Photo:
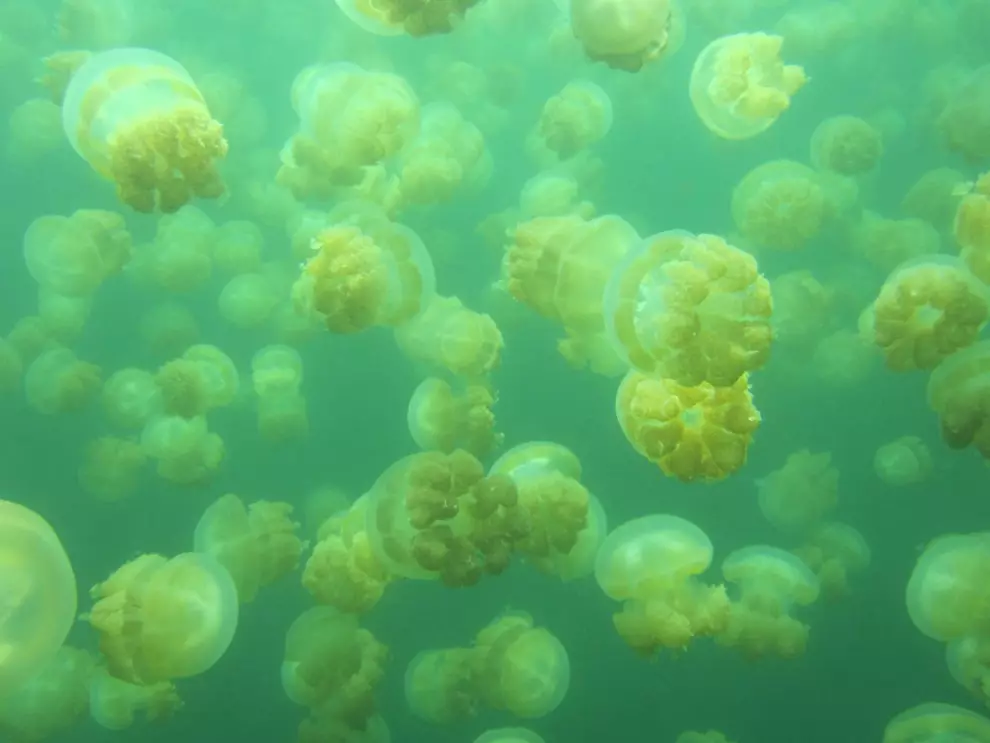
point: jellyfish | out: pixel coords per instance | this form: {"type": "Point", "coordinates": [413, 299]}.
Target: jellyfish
{"type": "Point", "coordinates": [889, 243]}
{"type": "Point", "coordinates": [947, 594]}
{"type": "Point", "coordinates": [690, 309]}
{"type": "Point", "coordinates": [131, 398]}
{"type": "Point", "coordinates": [740, 86]}
{"type": "Point", "coordinates": [111, 468]}
{"type": "Point", "coordinates": [441, 686]}
{"type": "Point", "coordinates": [161, 619]}
{"type": "Point", "coordinates": [652, 565]}
{"type": "Point", "coordinates": [509, 735]}
{"type": "Point", "coordinates": [691, 433]}
{"type": "Point", "coordinates": [934, 722]}
{"type": "Point", "coordinates": [799, 495]}
{"type": "Point", "coordinates": [161, 148]}
{"type": "Point", "coordinates": [625, 34]}
{"type": "Point", "coordinates": [972, 227]}
{"type": "Point", "coordinates": [524, 669]}
{"type": "Point", "coordinates": [846, 145]}
{"type": "Point", "coordinates": [256, 544]}
{"type": "Point", "coordinates": [965, 121]}
{"type": "Point", "coordinates": [51, 700]}
{"type": "Point", "coordinates": [443, 420]}
{"type": "Point", "coordinates": [58, 382]}
{"type": "Point", "coordinates": [935, 197]}
{"type": "Point", "coordinates": [771, 583]}
{"type": "Point", "coordinates": [928, 309]}
{"type": "Point", "coordinates": [780, 204]}
{"type": "Point", "coordinates": [902, 462]}
{"type": "Point", "coordinates": [413, 17]}
{"type": "Point", "coordinates": [575, 118]}
{"type": "Point", "coordinates": [34, 130]}
{"type": "Point", "coordinates": [238, 246]}
{"type": "Point", "coordinates": [248, 300]}
{"type": "Point", "coordinates": [39, 594]}
{"type": "Point", "coordinates": [834, 551]}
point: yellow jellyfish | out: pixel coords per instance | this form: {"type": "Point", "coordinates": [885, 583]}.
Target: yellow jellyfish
{"type": "Point", "coordinates": [256, 544]}
{"type": "Point", "coordinates": [771, 582]}
{"type": "Point", "coordinates": [888, 243]}
{"type": "Point", "coordinates": [935, 197]}
{"type": "Point", "coordinates": [441, 686]}
{"type": "Point", "coordinates": [443, 420]}
{"type": "Point", "coordinates": [523, 669]}
{"type": "Point", "coordinates": [780, 204]}
{"type": "Point", "coordinates": [509, 735]}
{"type": "Point", "coordinates": [39, 595]}
{"type": "Point", "coordinates": [652, 565]}
{"type": "Point", "coordinates": [625, 34]}
{"type": "Point", "coordinates": [934, 722]}
{"type": "Point", "coordinates": [834, 551]}
{"type": "Point", "coordinates": [58, 382]}
{"type": "Point", "coordinates": [948, 596]}
{"type": "Point", "coordinates": [361, 276]}
{"type": "Point", "coordinates": [413, 17]}
{"type": "Point", "coordinates": [740, 86]}
{"type": "Point", "coordinates": [51, 700]}
{"type": "Point", "coordinates": [972, 227]}
{"type": "Point", "coordinates": [575, 118]}
{"type": "Point", "coordinates": [691, 309]}
{"type": "Point", "coordinates": [965, 121]}
{"type": "Point", "coordinates": [161, 619]}
{"type": "Point", "coordinates": [846, 145]}
{"type": "Point", "coordinates": [691, 433]}
{"type": "Point", "coordinates": [799, 495]}
{"type": "Point", "coordinates": [115, 704]}
{"type": "Point", "coordinates": [137, 117]}
{"type": "Point", "coordinates": [928, 309]}
{"type": "Point", "coordinates": [902, 462]}
{"type": "Point", "coordinates": [111, 468]}
{"type": "Point", "coordinates": [968, 659]}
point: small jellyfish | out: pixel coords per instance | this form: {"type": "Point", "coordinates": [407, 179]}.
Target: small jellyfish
{"type": "Point", "coordinates": [780, 204]}
{"type": "Point", "coordinates": [902, 462]}
{"type": "Point", "coordinates": [846, 145]}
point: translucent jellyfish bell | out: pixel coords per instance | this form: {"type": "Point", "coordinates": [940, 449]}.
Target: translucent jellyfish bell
{"type": "Point", "coordinates": [37, 593]}
{"type": "Point", "coordinates": [366, 16]}
{"type": "Point", "coordinates": [535, 459]}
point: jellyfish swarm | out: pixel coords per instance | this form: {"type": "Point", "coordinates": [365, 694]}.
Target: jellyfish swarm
{"type": "Point", "coordinates": [928, 309]}
{"type": "Point", "coordinates": [38, 594]}
{"type": "Point", "coordinates": [137, 117]}
{"type": "Point", "coordinates": [691, 433]}
{"type": "Point", "coordinates": [739, 85]}
{"type": "Point", "coordinates": [651, 564]}
{"type": "Point", "coordinates": [691, 309]}
{"type": "Point", "coordinates": [161, 619]}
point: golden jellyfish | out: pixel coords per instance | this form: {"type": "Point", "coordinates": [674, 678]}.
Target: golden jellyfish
{"type": "Point", "coordinates": [413, 17]}
{"type": "Point", "coordinates": [248, 300]}
{"type": "Point", "coordinates": [276, 369]}
{"type": "Point", "coordinates": [524, 669]}
{"type": "Point", "coordinates": [74, 255]}
{"type": "Point", "coordinates": [53, 699]}
{"type": "Point", "coordinates": [451, 337]}
{"type": "Point", "coordinates": [364, 275]}
{"type": "Point", "coordinates": [168, 329]}
{"type": "Point", "coordinates": [948, 596]}
{"type": "Point", "coordinates": [972, 227]}
{"type": "Point", "coordinates": [131, 397]}
{"type": "Point", "coordinates": [575, 118]}
{"type": "Point", "coordinates": [692, 433]}
{"type": "Point", "coordinates": [343, 571]}
{"type": "Point", "coordinates": [566, 523]}
{"type": "Point", "coordinates": [186, 452]}
{"type": "Point", "coordinates": [29, 337]}
{"type": "Point", "coordinates": [509, 735]}
{"type": "Point", "coordinates": [652, 564]}
{"type": "Point", "coordinates": [843, 359]}
{"type": "Point", "coordinates": [928, 309]}
{"type": "Point", "coordinates": [888, 243]}
{"type": "Point", "coordinates": [58, 382]}
{"type": "Point", "coordinates": [780, 204]}
{"type": "Point", "coordinates": [34, 130]}
{"type": "Point", "coordinates": [161, 619]}
{"type": "Point", "coordinates": [802, 308]}
{"type": "Point", "coordinates": [968, 659]}
{"type": "Point", "coordinates": [443, 420]}
{"type": "Point", "coordinates": [818, 29]}
{"type": "Point", "coordinates": [39, 594]}
{"type": "Point", "coordinates": [934, 722]}
{"type": "Point", "coordinates": [256, 544]}
{"type": "Point", "coordinates": [959, 392]}
{"type": "Point", "coordinates": [740, 86]}
{"type": "Point", "coordinates": [965, 121]}
{"type": "Point", "coordinates": [237, 247]}
{"type": "Point", "coordinates": [65, 317]}
{"type": "Point", "coordinates": [441, 686]}
{"type": "Point", "coordinates": [847, 145]}
{"type": "Point", "coordinates": [902, 462]}
{"type": "Point", "coordinates": [115, 704]}
{"type": "Point", "coordinates": [551, 193]}
{"type": "Point", "coordinates": [834, 551]}
{"type": "Point", "coordinates": [935, 197]}
{"type": "Point", "coordinates": [161, 147]}
{"type": "Point", "coordinates": [625, 34]}
{"type": "Point", "coordinates": [798, 496]}
{"type": "Point", "coordinates": [434, 516]}
{"type": "Point", "coordinates": [349, 118]}
{"type": "Point", "coordinates": [111, 468]}
{"type": "Point", "coordinates": [770, 584]}
{"type": "Point", "coordinates": [691, 309]}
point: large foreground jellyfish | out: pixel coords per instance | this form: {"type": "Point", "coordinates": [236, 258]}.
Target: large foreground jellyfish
{"type": "Point", "coordinates": [161, 619]}
{"type": "Point", "coordinates": [769, 584]}
{"type": "Point", "coordinates": [691, 309]}
{"type": "Point", "coordinates": [691, 433]}
{"type": "Point", "coordinates": [625, 34]}
{"type": "Point", "coordinates": [739, 85]}
{"type": "Point", "coordinates": [959, 392]}
{"type": "Point", "coordinates": [934, 722]}
{"type": "Point", "coordinates": [652, 565]}
{"type": "Point", "coordinates": [137, 117]}
{"type": "Point", "coordinates": [928, 309]}
{"type": "Point", "coordinates": [37, 594]}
